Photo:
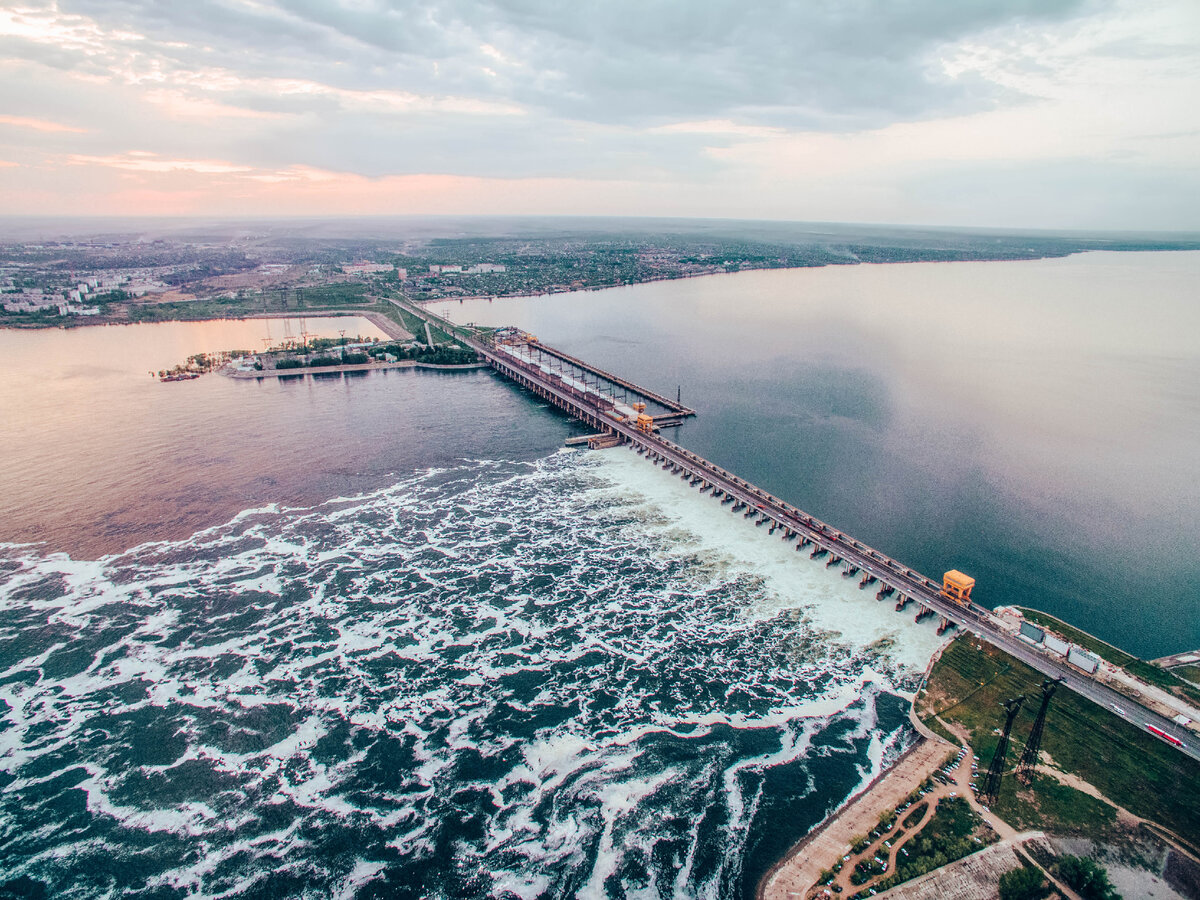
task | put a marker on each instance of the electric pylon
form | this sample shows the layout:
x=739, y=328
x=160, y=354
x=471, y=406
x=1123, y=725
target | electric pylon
x=1029, y=757
x=991, y=790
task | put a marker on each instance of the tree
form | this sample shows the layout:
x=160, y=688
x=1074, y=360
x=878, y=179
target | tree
x=1086, y=877
x=1025, y=883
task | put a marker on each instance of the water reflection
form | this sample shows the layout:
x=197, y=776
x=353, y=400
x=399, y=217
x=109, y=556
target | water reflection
x=100, y=456
x=1036, y=423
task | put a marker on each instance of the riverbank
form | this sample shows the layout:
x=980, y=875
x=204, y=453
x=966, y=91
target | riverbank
x=1087, y=786
x=821, y=849
x=230, y=372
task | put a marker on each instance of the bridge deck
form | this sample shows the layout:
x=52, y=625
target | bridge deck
x=677, y=409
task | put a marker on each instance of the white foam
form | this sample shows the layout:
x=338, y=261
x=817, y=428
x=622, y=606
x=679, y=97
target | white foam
x=829, y=602
x=617, y=801
x=613, y=561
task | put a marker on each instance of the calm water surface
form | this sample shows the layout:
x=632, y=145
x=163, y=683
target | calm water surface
x=1036, y=424
x=100, y=456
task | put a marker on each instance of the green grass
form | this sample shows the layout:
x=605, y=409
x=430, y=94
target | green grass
x=1148, y=672
x=414, y=323
x=350, y=294
x=1128, y=765
x=1048, y=800
x=915, y=815
x=1187, y=673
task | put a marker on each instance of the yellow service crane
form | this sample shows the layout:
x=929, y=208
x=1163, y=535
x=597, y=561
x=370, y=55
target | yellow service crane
x=957, y=587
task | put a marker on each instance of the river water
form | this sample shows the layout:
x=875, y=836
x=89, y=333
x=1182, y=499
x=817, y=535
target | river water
x=381, y=636
x=1034, y=424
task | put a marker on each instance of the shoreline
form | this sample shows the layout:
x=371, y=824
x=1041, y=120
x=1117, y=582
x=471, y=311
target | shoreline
x=356, y=367
x=794, y=874
x=86, y=321
x=392, y=329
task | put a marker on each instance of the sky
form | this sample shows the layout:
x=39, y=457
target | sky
x=990, y=113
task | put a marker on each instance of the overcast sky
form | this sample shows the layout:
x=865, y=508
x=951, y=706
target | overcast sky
x=1013, y=113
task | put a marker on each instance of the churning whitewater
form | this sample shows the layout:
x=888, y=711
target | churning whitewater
x=570, y=677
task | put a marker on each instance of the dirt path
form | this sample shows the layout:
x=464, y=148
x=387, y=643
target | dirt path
x=798, y=872
x=959, y=786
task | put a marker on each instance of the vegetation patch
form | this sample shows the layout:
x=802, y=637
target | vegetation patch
x=244, y=304
x=955, y=831
x=1190, y=674
x=1046, y=800
x=1086, y=877
x=914, y=818
x=414, y=324
x=1025, y=883
x=1128, y=765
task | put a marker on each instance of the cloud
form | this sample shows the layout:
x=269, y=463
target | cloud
x=713, y=107
x=39, y=124
x=616, y=61
x=145, y=161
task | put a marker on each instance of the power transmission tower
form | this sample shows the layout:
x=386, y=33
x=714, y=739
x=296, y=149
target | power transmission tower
x=991, y=790
x=1029, y=758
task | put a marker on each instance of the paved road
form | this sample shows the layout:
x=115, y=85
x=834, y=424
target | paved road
x=920, y=588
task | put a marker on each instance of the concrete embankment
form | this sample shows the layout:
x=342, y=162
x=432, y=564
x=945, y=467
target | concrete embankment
x=361, y=367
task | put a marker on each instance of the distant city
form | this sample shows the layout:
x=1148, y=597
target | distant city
x=215, y=271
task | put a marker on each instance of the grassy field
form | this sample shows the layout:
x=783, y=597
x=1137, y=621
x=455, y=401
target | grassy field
x=416, y=325
x=1148, y=672
x=408, y=321
x=1128, y=765
x=1188, y=673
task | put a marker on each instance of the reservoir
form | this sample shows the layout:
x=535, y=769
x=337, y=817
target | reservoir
x=1036, y=424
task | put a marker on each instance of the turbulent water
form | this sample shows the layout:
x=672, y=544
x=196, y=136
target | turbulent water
x=562, y=677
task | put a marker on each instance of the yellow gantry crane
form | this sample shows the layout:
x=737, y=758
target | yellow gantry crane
x=957, y=587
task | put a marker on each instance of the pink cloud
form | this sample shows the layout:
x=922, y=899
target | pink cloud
x=144, y=161
x=140, y=183
x=39, y=124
